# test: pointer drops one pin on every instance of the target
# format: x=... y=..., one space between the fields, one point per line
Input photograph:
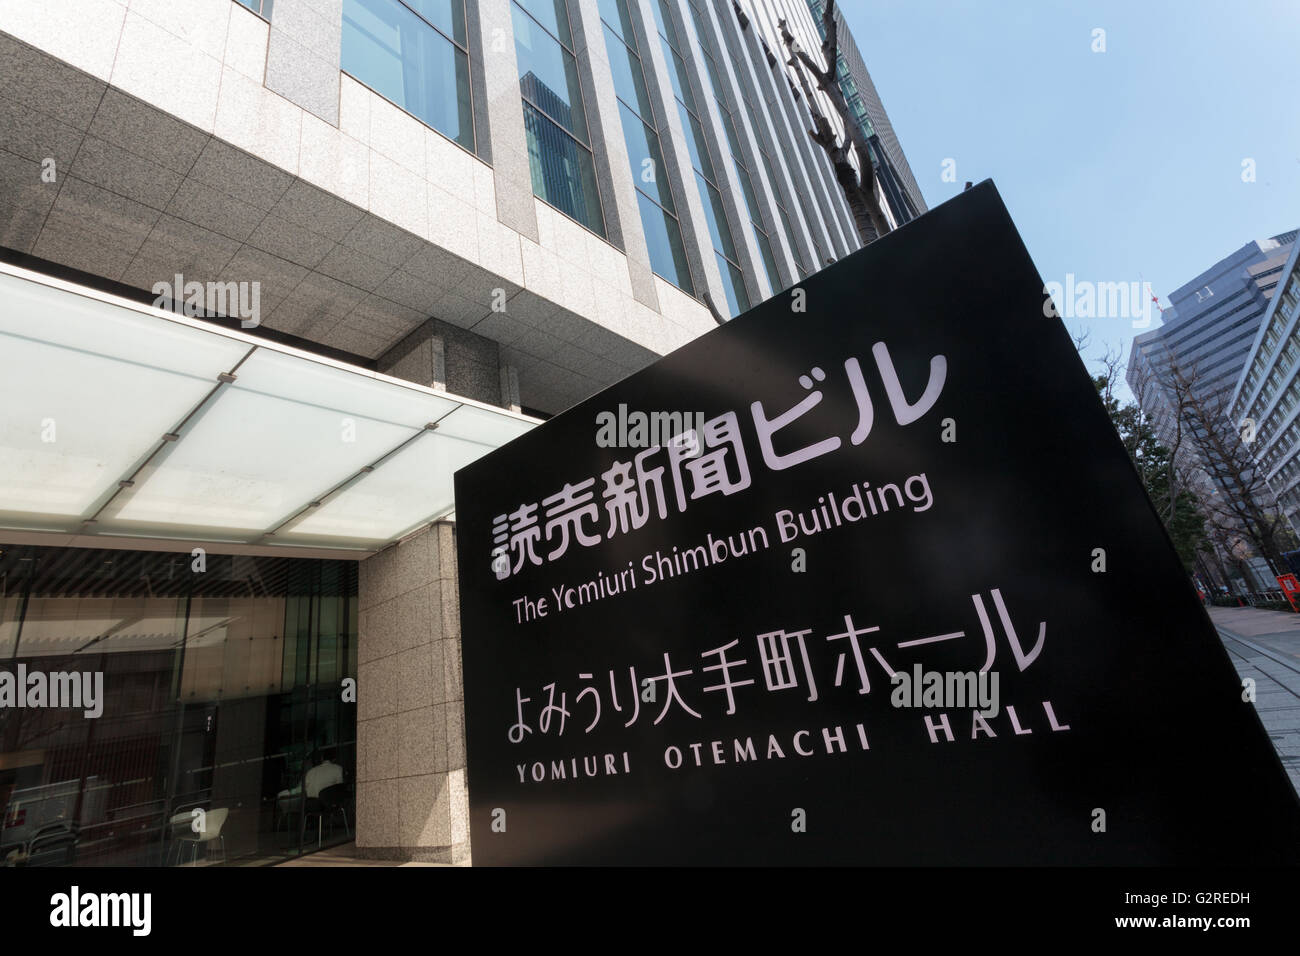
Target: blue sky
x=1115 y=166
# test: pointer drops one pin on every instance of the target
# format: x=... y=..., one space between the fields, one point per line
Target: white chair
x=178 y=825
x=321 y=776
x=315 y=781
x=213 y=821
x=290 y=802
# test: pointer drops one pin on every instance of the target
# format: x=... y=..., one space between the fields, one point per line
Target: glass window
x=664 y=26
x=695 y=142
x=217 y=692
x=746 y=188
x=654 y=194
x=681 y=82
x=562 y=170
x=447 y=15
x=733 y=283
x=553 y=16
x=646 y=160
x=785 y=215
x=740 y=169
x=702 y=159
x=619 y=19
x=629 y=81
x=711 y=77
x=261 y=7
x=769 y=261
x=717 y=217
x=663 y=238
x=403 y=58
x=729 y=124
x=555 y=126
x=548 y=76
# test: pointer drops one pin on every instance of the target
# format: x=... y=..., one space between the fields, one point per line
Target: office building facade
x=903 y=199
x=1187 y=370
x=1268 y=391
x=272 y=271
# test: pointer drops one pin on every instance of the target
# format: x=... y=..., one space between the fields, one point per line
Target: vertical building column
x=743 y=52
x=806 y=162
x=499 y=112
x=748 y=257
x=805 y=203
x=420 y=357
x=449 y=359
x=510 y=388
x=672 y=141
x=613 y=169
x=827 y=194
x=785 y=166
x=302 y=54
x=412 y=801
x=844 y=232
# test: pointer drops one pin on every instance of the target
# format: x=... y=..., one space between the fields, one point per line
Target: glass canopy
x=121 y=420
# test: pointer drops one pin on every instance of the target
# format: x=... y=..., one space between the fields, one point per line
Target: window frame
x=609 y=29
x=665 y=24
x=264 y=8
x=469 y=76
x=516 y=6
x=740 y=168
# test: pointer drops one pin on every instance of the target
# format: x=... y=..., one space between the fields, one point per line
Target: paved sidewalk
x=1265 y=645
x=346 y=855
x=1250 y=623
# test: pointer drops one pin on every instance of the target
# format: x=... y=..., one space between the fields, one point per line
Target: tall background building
x=448 y=218
x=1268 y=391
x=1186 y=372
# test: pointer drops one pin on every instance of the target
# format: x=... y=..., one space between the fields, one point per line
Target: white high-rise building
x=1268 y=391
x=1185 y=372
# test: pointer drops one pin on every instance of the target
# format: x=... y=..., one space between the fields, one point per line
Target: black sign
x=863 y=576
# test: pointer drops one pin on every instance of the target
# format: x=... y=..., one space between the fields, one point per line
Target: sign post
x=1290 y=585
x=702 y=622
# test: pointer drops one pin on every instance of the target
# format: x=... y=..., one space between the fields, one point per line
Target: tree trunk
x=858 y=185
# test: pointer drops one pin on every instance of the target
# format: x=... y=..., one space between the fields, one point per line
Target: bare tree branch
x=858 y=184
x=1221 y=468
